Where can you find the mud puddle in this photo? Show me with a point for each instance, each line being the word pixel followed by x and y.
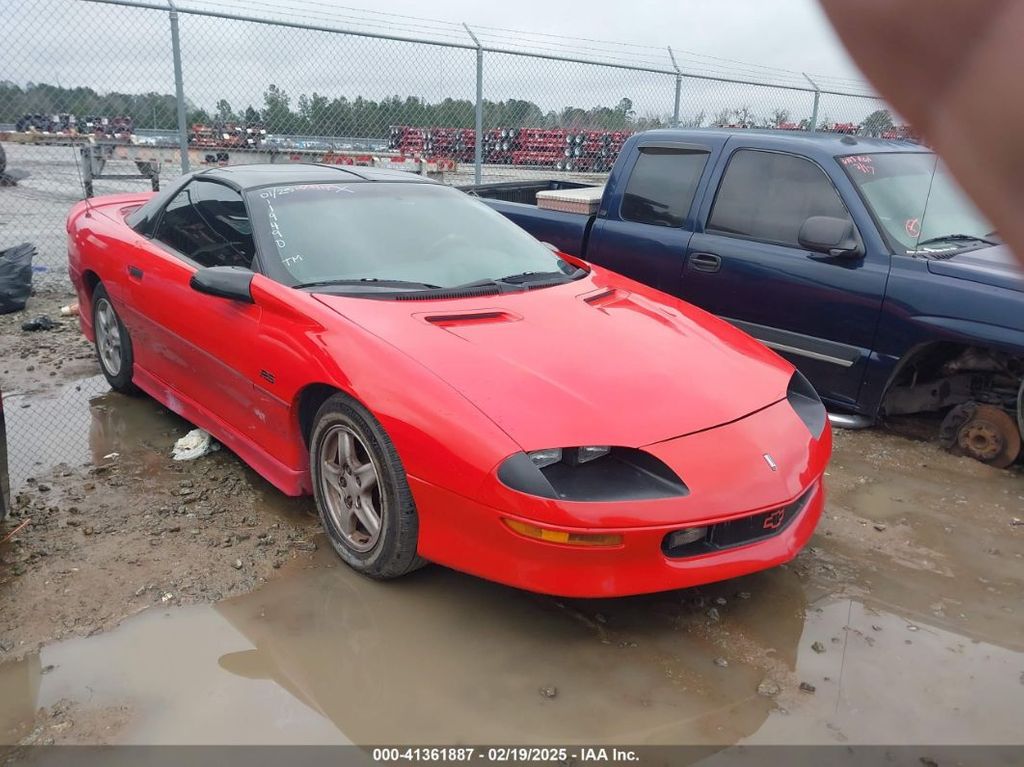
pixel 83 424
pixel 109 524
pixel 321 655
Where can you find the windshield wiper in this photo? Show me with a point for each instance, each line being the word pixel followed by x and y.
pixel 523 278
pixel 369 281
pixel 956 238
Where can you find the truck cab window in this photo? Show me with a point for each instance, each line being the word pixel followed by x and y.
pixel 767 196
pixel 662 184
pixel 208 223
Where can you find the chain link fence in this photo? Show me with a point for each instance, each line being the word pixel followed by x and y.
pixel 103 96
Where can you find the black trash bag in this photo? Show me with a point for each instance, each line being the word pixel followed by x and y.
pixel 16 277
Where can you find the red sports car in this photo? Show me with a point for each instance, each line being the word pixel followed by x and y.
pixel 449 388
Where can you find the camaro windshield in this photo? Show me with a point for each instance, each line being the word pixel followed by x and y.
pixel 915 199
pixel 399 235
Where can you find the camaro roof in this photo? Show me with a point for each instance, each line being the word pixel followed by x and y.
pixel 244 177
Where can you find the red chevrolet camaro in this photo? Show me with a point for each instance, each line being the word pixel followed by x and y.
pixel 447 387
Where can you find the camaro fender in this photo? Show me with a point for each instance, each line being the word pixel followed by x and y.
pixel 304 343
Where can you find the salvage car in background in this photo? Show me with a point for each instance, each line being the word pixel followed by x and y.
pixel 858 259
pixel 446 386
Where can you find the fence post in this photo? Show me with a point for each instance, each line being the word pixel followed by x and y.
pixel 179 88
pixel 478 144
pixel 679 88
pixel 817 98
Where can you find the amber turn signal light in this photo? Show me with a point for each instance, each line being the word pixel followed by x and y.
pixel 560 536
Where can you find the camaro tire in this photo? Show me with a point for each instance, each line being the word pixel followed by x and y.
pixel 113 344
pixel 361 491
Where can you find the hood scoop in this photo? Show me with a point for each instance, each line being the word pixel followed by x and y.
pixel 476 317
pixel 604 297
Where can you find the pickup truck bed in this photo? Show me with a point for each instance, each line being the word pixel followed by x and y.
pixel 517 201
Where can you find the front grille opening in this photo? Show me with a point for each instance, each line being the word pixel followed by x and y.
pixel 740 531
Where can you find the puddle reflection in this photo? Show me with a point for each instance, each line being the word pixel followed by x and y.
pixel 322 655
pixel 81 423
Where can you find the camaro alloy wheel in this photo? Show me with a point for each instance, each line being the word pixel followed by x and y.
pixel 113 344
pixel 108 337
pixel 361 491
pixel 350 485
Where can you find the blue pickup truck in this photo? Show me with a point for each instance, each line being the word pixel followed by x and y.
pixel 859 260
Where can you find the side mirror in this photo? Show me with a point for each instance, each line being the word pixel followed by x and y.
pixel 232 282
pixel 831 237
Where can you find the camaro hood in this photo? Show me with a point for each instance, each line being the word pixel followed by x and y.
pixel 582 363
pixel 994 266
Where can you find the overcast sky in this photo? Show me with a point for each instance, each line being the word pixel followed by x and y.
pixel 112 48
pixel 788 34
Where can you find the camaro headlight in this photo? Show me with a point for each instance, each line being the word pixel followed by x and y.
pixel 544 458
pixel 807 404
pixel 574 455
pixel 591 473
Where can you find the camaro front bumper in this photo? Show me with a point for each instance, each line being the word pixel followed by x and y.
pixel 763 516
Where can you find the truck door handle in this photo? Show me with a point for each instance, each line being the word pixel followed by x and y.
pixel 706 262
pixel 134 272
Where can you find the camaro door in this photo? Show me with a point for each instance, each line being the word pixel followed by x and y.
pixel 199 346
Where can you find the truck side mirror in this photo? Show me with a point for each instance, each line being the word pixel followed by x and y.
pixel 831 237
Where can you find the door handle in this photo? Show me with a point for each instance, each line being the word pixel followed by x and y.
pixel 135 273
pixel 706 262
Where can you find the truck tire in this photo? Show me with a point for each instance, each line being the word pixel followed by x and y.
pixel 1020 409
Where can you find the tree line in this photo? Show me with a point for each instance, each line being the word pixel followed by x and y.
pixel 313 114
pixel 317 114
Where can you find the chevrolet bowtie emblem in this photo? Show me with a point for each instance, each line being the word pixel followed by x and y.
pixel 771 462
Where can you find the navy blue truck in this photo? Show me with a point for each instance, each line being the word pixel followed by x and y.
pixel 860 260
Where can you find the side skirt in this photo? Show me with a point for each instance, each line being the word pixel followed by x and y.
pixel 286 479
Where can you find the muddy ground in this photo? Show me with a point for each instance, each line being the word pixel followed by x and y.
pixel 115 525
pixel 902 622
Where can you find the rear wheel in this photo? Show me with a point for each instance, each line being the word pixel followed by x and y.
pixel 113 344
pixel 361 491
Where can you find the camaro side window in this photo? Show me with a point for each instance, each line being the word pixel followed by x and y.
pixel 208 223
pixel 662 185
pixel 768 196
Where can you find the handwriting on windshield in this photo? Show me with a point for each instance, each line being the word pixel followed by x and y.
pixel 859 162
pixel 272 194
